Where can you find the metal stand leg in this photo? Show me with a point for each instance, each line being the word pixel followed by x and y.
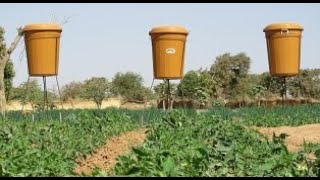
pixel 45 95
pixel 284 91
pixel 60 97
pixel 168 94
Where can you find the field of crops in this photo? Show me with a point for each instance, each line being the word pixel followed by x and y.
pixel 212 144
pixel 49 147
pixel 179 143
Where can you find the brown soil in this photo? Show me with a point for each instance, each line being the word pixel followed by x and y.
pixel 105 156
pixel 296 135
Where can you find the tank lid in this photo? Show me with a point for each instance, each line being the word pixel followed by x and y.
pixel 169 29
pixel 283 26
pixel 35 27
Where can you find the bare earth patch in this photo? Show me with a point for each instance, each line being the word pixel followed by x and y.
pixel 296 135
pixel 105 157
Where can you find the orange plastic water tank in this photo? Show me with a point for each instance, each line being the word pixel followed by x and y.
pixel 42 42
pixel 284 48
pixel 168 48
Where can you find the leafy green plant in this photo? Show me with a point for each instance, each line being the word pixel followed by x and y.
pixel 208 144
pixel 50 147
pixel 179 142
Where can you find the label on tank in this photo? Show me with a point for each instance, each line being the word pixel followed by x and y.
pixel 170 51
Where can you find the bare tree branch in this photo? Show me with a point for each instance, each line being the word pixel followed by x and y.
pixel 22 53
pixel 65 20
pixel 16 41
pixel 54 18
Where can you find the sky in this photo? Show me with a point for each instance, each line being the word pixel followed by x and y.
pixel 103 39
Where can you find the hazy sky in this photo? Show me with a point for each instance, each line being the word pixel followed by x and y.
pixel 102 39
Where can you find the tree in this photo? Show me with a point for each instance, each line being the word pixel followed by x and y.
pixel 228 72
pixel 73 90
pixel 97 89
pixel 199 86
pixel 8 76
pixel 161 91
pixel 188 85
pixel 250 87
pixel 5 54
pixel 273 85
pixel 29 92
pixel 306 84
pixel 129 86
pixel 207 89
pixel 257 90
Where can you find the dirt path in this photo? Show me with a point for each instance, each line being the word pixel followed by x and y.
pixel 105 157
pixel 297 135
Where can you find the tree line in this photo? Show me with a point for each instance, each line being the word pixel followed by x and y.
pixel 227 79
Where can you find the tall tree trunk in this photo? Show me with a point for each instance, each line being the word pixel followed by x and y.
pixel 3 102
pixel 171 103
pixel 164 104
pixel 3 61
